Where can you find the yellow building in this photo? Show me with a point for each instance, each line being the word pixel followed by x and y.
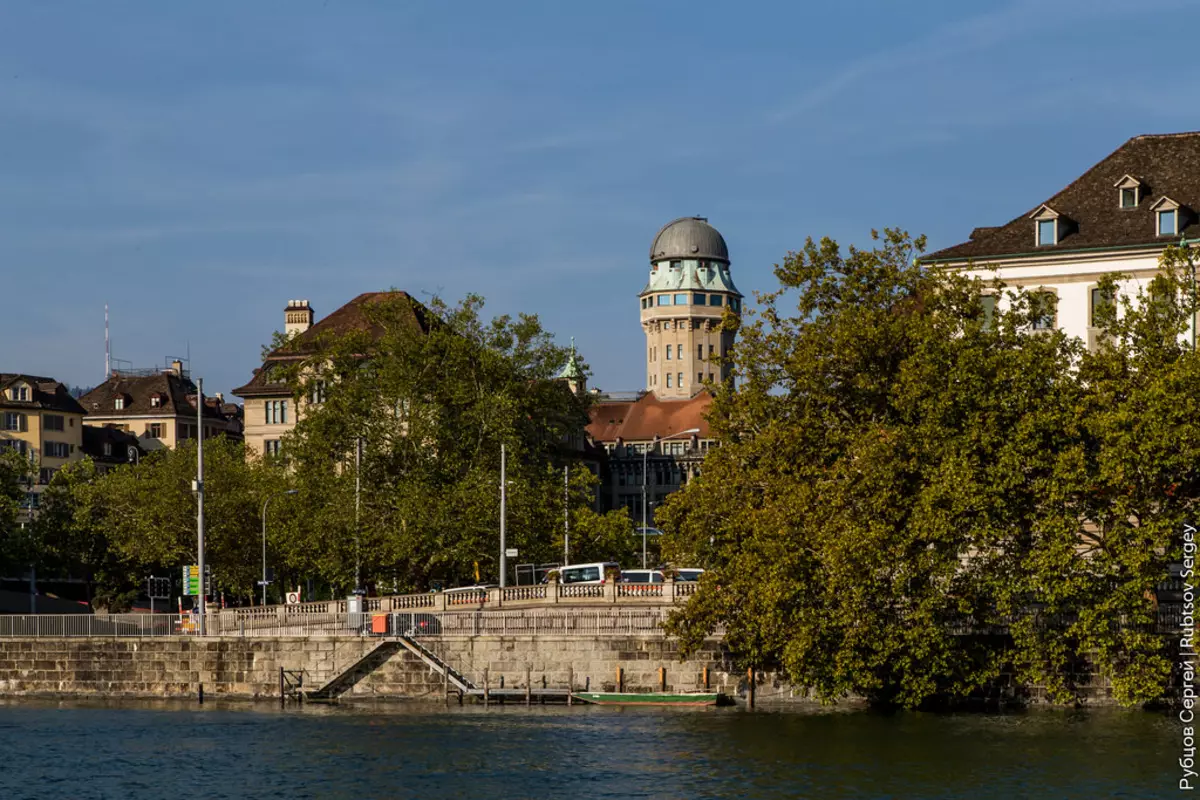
pixel 40 420
pixel 158 407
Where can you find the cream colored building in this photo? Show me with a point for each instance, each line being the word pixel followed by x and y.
pixel 1115 218
pixel 271 407
pixel 159 407
pixel 40 420
pixel 690 287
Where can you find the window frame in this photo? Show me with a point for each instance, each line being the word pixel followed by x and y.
pixel 1052 317
pixel 1158 221
pixel 1039 229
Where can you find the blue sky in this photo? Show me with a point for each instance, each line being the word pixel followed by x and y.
pixel 196 165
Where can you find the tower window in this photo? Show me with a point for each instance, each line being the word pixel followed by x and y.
pixel 681 299
pixel 669 351
pixel 680 380
pixel 710 351
pixel 714 299
pixel 700 351
pixel 699 377
pixel 668 380
pixel 698 299
pixel 664 299
pixel 676 264
pixel 1167 222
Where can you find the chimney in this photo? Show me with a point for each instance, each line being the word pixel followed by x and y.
pixel 297 317
pixel 220 398
pixel 177 367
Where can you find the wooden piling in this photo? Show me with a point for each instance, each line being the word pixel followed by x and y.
pixel 620 680
pixel 528 689
pixel 706 678
pixel 662 679
pixel 281 687
pixel 570 685
pixel 200 695
pixel 750 676
pixel 446 683
pixel 486 697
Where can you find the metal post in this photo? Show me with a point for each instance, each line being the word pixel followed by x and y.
pixel 566 515
pixel 264 551
pixel 200 496
pixel 357 504
pixel 503 509
pixel 645 465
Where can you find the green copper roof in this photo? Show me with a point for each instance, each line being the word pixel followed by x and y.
pixel 573 370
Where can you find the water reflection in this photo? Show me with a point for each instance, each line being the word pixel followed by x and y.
pixel 172 748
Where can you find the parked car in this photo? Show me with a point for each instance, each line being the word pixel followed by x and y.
pixel 688 575
pixel 588 573
pixel 641 576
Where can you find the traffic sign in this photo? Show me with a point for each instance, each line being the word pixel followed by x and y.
pixel 511 552
pixel 293 598
pixel 191 580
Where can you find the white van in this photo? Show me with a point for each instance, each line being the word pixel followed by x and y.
pixel 587 573
pixel 642 576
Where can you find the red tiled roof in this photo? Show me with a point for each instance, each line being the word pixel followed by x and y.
pixel 647 417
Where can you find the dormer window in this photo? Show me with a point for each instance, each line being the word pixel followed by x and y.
pixel 1048 226
pixel 20 392
pixel 1129 191
pixel 1166 217
pixel 1047 231
pixel 119 403
pixel 155 400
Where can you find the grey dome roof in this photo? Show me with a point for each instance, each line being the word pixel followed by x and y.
pixel 689 237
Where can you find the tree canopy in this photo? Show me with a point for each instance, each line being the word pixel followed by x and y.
pixel 430 395
pixel 915 491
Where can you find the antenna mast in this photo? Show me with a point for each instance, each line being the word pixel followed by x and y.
pixel 107 346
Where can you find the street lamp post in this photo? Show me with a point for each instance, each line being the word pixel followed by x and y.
pixel 263 582
pixel 645 460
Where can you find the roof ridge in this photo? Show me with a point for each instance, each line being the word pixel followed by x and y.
pixel 1177 135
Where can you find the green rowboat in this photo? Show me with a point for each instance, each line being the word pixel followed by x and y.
pixel 651 698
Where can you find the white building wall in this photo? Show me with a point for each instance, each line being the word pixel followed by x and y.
pixel 1073 282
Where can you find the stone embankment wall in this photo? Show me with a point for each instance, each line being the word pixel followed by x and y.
pixel 249 668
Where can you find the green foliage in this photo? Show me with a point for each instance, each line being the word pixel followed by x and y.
pixel 432 395
pixel 18 548
pixel 896 472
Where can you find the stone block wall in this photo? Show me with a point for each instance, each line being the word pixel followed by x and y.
pixel 249 668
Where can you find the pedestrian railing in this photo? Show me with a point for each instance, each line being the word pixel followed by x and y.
pixel 577 622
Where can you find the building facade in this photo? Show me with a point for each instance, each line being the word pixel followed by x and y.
pixel 270 407
pixel 42 421
pixel 654 441
pixel 159 408
pixel 1115 218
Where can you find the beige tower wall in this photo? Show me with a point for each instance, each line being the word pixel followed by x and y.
pixel 693 333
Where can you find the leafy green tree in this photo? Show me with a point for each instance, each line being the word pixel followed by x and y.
pixel 17 549
pixel 902 473
pixel 430 395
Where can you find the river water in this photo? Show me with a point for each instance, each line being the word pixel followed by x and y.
pixel 184 752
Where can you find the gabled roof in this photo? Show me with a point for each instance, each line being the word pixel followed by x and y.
pixel 1165 164
pixel 647 417
pixel 178 393
pixel 349 318
pixel 44 394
